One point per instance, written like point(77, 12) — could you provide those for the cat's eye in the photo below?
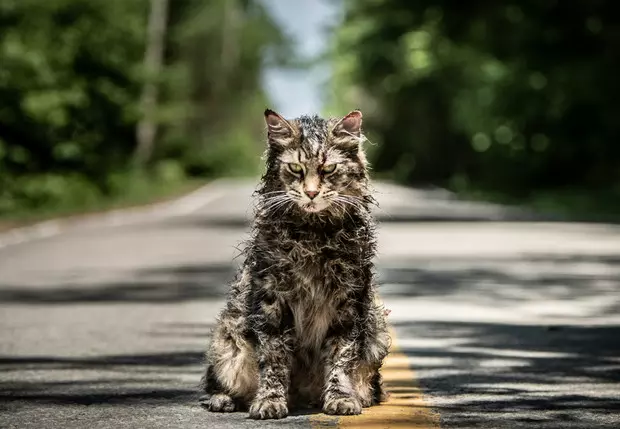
point(295, 168)
point(328, 169)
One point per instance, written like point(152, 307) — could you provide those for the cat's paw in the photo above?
point(219, 403)
point(342, 406)
point(268, 409)
point(366, 402)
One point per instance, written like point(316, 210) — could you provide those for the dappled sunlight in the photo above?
point(513, 370)
point(538, 284)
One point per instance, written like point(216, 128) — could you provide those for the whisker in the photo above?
point(342, 205)
point(274, 202)
point(358, 200)
point(274, 206)
point(280, 202)
point(275, 199)
point(287, 206)
point(274, 192)
point(351, 202)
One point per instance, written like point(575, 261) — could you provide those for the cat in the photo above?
point(302, 325)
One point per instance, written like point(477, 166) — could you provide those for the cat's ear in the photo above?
point(347, 132)
point(279, 130)
point(349, 126)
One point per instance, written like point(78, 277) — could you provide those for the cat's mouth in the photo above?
point(313, 207)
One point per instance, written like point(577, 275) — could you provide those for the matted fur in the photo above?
point(301, 326)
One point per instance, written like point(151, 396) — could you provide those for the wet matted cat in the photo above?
point(302, 326)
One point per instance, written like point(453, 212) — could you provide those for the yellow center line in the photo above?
point(405, 408)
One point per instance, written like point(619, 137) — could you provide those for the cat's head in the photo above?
point(316, 164)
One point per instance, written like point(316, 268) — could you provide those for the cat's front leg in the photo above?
point(275, 357)
point(341, 356)
point(274, 362)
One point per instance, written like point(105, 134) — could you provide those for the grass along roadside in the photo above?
point(139, 193)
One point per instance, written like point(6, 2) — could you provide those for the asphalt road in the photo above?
point(505, 322)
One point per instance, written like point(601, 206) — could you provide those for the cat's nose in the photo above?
point(311, 194)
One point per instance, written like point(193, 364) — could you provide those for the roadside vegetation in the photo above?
point(108, 103)
point(509, 101)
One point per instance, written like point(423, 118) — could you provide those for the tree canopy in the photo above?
point(500, 95)
point(71, 78)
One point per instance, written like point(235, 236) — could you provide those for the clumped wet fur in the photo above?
point(302, 326)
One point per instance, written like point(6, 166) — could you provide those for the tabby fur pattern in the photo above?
point(302, 325)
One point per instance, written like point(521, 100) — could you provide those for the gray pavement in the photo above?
point(506, 324)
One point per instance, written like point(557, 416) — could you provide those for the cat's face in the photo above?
point(321, 165)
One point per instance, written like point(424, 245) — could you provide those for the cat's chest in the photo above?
point(312, 320)
point(314, 257)
point(314, 298)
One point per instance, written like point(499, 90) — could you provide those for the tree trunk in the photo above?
point(230, 45)
point(153, 58)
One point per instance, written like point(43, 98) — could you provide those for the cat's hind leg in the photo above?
point(339, 394)
point(231, 376)
point(368, 383)
point(368, 380)
point(353, 380)
point(215, 399)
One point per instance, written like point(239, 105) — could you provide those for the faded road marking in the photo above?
point(184, 205)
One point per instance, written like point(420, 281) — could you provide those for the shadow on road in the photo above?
point(492, 281)
point(506, 281)
point(111, 379)
point(525, 373)
point(172, 284)
point(517, 375)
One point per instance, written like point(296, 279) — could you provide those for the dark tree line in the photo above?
point(504, 96)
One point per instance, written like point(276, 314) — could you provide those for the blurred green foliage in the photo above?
point(71, 76)
point(506, 97)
